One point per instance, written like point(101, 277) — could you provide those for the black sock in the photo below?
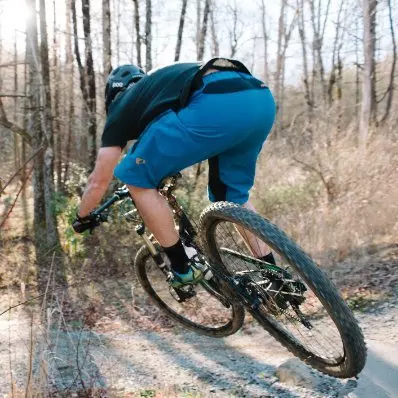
point(177, 257)
point(269, 258)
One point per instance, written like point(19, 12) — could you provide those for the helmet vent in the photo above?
point(125, 73)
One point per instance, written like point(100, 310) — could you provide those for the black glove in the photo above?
point(81, 224)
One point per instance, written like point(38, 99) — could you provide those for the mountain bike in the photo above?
point(294, 300)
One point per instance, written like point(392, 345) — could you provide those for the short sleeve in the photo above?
point(113, 136)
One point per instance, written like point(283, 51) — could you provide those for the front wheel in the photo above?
point(294, 300)
point(202, 312)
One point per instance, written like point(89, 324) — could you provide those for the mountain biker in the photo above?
point(180, 115)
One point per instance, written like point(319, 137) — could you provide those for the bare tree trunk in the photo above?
point(303, 37)
point(336, 50)
point(118, 22)
point(203, 31)
point(106, 38)
point(390, 88)
point(16, 137)
point(215, 48)
point(24, 200)
point(77, 54)
point(57, 118)
point(90, 76)
point(51, 222)
point(369, 83)
point(71, 106)
point(319, 33)
point(284, 35)
point(265, 38)
point(137, 31)
point(180, 30)
point(279, 59)
point(33, 125)
point(198, 24)
point(233, 34)
point(339, 93)
point(148, 35)
point(357, 97)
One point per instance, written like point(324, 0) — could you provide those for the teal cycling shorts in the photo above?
point(225, 122)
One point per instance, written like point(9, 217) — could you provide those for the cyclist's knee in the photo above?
point(137, 191)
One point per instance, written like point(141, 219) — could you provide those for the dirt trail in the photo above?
point(123, 360)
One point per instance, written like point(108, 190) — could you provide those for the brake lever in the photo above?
point(100, 218)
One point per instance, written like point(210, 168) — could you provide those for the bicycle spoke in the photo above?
point(313, 329)
point(202, 308)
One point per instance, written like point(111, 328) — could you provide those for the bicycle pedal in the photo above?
point(181, 295)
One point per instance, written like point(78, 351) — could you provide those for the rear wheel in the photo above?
point(294, 301)
point(198, 310)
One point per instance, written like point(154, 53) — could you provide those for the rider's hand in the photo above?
point(81, 224)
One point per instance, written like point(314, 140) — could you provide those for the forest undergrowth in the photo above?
point(336, 202)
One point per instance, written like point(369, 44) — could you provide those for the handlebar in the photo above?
point(120, 193)
point(123, 193)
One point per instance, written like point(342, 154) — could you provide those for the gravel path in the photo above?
point(123, 360)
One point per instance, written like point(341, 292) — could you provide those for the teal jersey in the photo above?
point(161, 90)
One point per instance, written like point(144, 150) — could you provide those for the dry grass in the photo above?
point(362, 213)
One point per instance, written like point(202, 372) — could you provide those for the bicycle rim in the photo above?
point(314, 323)
point(202, 313)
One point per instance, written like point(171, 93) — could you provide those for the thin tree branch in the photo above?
point(16, 198)
point(312, 168)
point(2, 188)
point(3, 95)
point(12, 126)
point(12, 64)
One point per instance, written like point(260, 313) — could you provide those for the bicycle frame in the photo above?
point(186, 230)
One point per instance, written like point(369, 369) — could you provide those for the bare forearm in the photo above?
point(99, 179)
point(92, 197)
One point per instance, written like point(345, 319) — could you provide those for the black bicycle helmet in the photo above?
point(119, 79)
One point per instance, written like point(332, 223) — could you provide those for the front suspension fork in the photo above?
point(157, 257)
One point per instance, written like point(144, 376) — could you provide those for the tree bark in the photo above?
point(198, 24)
point(33, 126)
point(46, 118)
point(390, 88)
point(303, 37)
point(137, 31)
point(148, 35)
point(319, 27)
point(357, 80)
point(71, 104)
point(91, 90)
point(16, 137)
point(203, 31)
point(118, 22)
point(180, 30)
point(77, 54)
point(57, 117)
point(233, 33)
point(284, 35)
point(265, 39)
point(106, 38)
point(369, 81)
point(279, 59)
point(215, 50)
point(24, 199)
point(334, 74)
